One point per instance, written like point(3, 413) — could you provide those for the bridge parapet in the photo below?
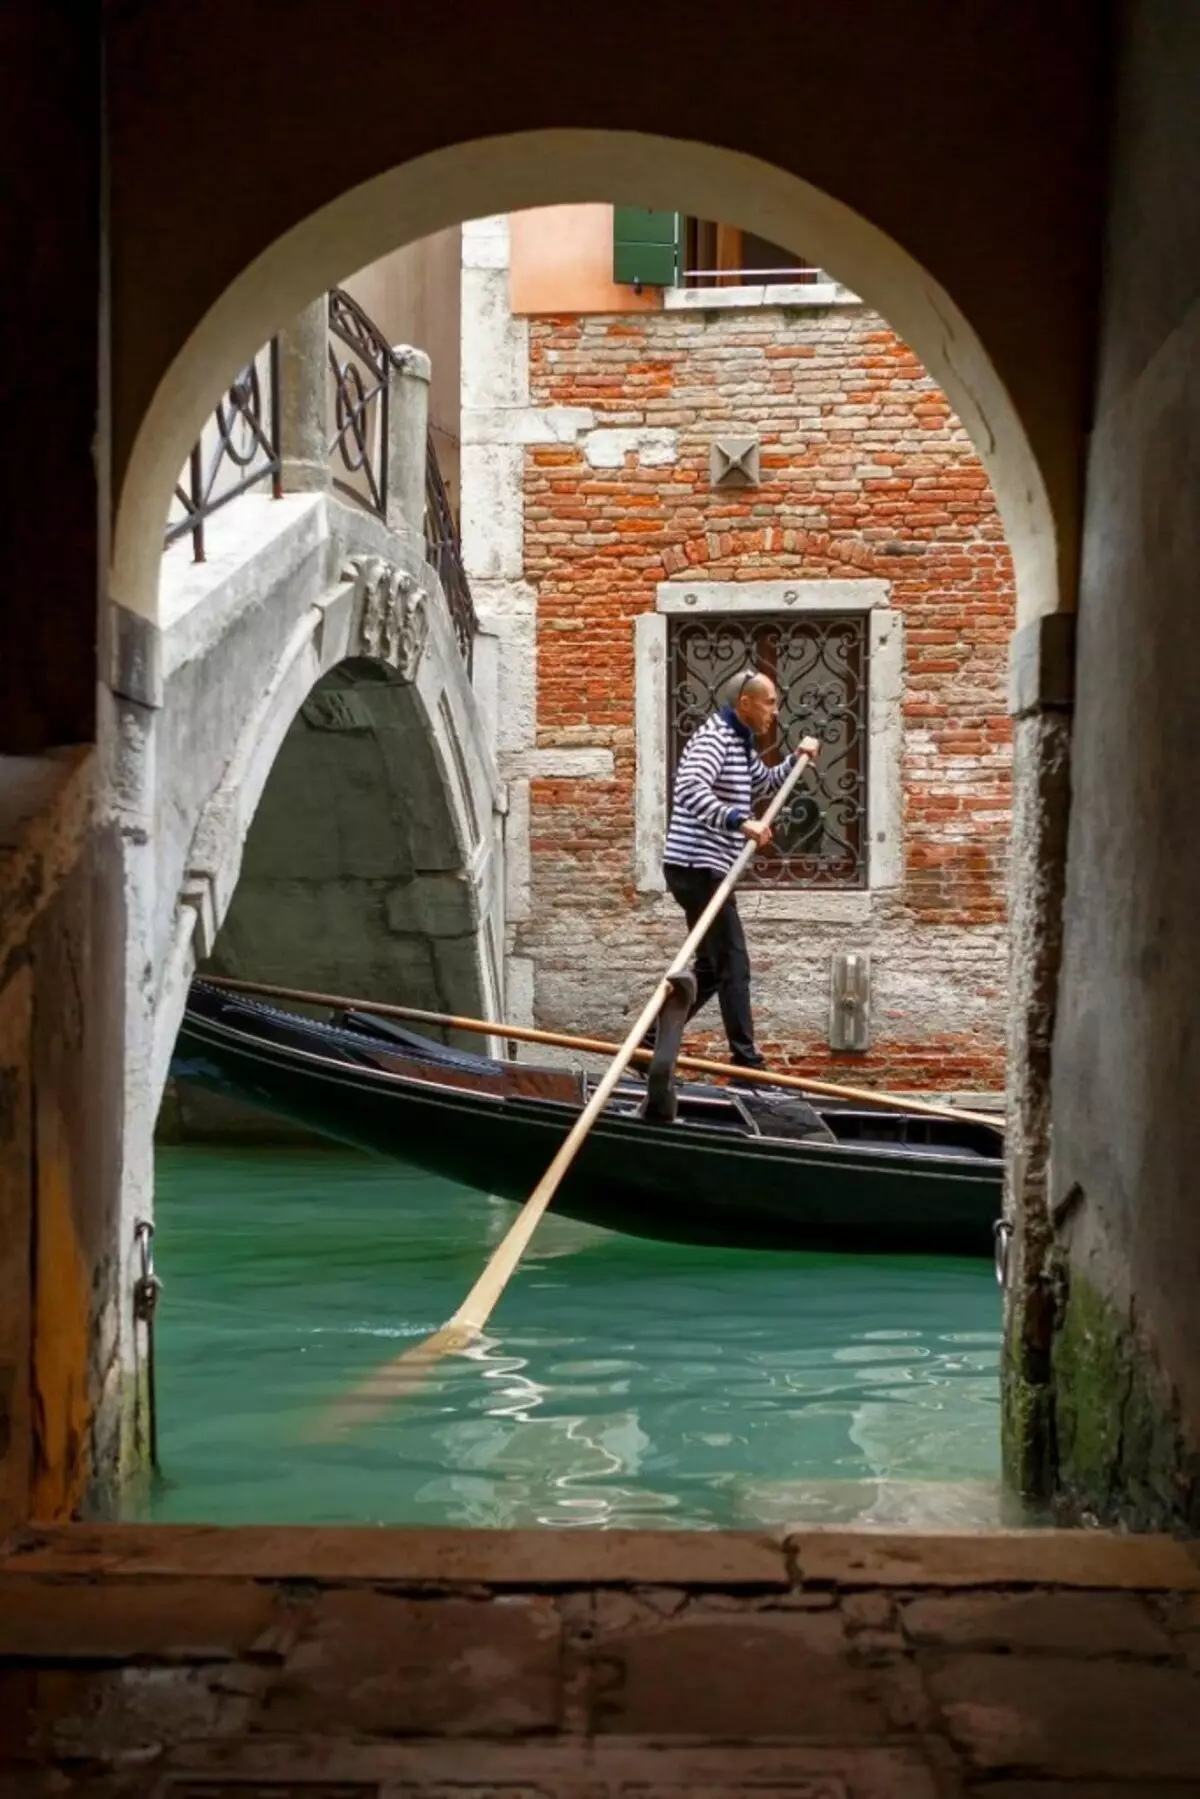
point(324, 658)
point(330, 405)
point(301, 777)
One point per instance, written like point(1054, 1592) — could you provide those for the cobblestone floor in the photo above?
point(339, 1664)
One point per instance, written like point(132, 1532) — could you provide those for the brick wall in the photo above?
point(865, 473)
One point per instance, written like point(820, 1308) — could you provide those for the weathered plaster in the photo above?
point(16, 1238)
point(651, 446)
point(497, 425)
point(560, 765)
point(1126, 1124)
point(1037, 876)
point(60, 1114)
point(517, 854)
point(45, 809)
point(492, 539)
point(523, 424)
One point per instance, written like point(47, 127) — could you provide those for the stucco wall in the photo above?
point(412, 295)
point(61, 1247)
point(562, 261)
point(1126, 1146)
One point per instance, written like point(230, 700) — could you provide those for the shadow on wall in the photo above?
point(354, 879)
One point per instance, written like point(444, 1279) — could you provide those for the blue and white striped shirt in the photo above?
point(720, 776)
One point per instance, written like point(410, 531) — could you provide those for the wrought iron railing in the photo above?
point(360, 445)
point(240, 447)
point(237, 450)
point(361, 398)
point(819, 665)
point(443, 548)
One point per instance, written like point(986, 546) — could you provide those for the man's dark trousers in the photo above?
point(722, 961)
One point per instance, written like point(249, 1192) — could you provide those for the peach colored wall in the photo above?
point(413, 296)
point(561, 261)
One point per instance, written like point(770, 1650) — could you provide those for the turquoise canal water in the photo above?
point(623, 1383)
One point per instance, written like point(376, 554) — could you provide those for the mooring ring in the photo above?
point(1002, 1232)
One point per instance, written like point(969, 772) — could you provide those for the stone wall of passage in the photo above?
point(1121, 1232)
point(867, 481)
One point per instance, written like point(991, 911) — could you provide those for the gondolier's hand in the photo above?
point(757, 832)
point(809, 747)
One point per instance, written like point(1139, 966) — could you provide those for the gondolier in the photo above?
point(720, 778)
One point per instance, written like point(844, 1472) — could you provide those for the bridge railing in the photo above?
point(239, 448)
point(443, 549)
point(361, 362)
point(381, 455)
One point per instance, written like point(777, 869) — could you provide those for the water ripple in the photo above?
point(637, 1385)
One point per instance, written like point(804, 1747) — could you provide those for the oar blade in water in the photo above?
point(404, 1377)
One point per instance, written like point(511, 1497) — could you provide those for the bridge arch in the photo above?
point(352, 839)
point(366, 868)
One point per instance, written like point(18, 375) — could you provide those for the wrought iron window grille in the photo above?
point(237, 449)
point(819, 663)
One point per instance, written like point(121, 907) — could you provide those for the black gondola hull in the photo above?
point(679, 1182)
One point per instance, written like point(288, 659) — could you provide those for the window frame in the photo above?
point(885, 652)
point(765, 873)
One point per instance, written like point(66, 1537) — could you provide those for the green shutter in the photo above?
point(645, 246)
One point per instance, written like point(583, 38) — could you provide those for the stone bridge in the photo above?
point(305, 790)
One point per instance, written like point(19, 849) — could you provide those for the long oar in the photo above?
point(405, 1373)
point(600, 1046)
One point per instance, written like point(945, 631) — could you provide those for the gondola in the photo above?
point(752, 1169)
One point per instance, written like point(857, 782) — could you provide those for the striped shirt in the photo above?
point(719, 778)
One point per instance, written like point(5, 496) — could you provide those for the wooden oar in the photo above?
point(407, 1372)
point(600, 1046)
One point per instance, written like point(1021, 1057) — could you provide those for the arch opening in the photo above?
point(529, 169)
point(355, 874)
point(776, 207)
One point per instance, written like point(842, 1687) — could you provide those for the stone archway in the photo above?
point(548, 167)
point(540, 168)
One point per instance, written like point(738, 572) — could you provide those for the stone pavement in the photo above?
point(195, 1663)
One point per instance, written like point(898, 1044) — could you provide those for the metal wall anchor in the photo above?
point(147, 1287)
point(1002, 1232)
point(146, 1290)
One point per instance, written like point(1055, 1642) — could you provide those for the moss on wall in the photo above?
point(1026, 1429)
point(1120, 1456)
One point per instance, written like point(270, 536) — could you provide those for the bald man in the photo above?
point(720, 778)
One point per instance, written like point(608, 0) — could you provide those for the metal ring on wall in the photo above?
point(1002, 1232)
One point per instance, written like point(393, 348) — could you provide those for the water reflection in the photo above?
point(625, 1383)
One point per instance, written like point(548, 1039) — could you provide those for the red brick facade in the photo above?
point(865, 472)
